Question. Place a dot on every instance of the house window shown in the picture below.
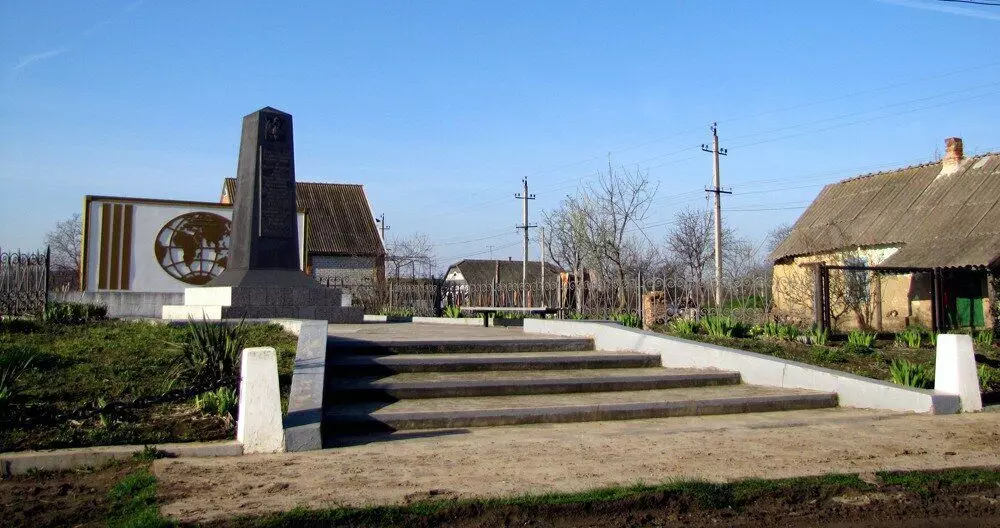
(856, 282)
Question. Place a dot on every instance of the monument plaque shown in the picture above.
(277, 194)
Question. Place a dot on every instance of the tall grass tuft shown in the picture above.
(910, 338)
(819, 336)
(861, 338)
(627, 319)
(716, 326)
(221, 402)
(13, 363)
(210, 356)
(985, 337)
(453, 311)
(73, 313)
(915, 375)
(683, 326)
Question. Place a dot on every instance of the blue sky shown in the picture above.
(440, 108)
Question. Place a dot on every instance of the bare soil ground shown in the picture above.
(506, 461)
(68, 498)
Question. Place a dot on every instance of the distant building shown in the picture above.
(344, 245)
(908, 236)
(498, 283)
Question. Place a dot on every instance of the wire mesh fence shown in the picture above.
(23, 282)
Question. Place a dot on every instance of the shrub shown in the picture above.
(211, 353)
(915, 375)
(722, 327)
(819, 336)
(73, 313)
(452, 311)
(910, 338)
(222, 402)
(396, 312)
(683, 326)
(827, 355)
(985, 337)
(860, 338)
(627, 319)
(13, 363)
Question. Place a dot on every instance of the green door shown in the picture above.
(967, 291)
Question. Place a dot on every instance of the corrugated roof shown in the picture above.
(951, 221)
(484, 271)
(340, 219)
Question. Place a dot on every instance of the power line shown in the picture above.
(974, 2)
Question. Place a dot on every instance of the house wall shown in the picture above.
(894, 300)
(347, 269)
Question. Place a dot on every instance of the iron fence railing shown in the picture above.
(23, 282)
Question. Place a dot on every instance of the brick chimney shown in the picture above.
(953, 156)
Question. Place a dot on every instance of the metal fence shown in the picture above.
(657, 299)
(23, 282)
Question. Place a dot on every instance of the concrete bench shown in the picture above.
(487, 311)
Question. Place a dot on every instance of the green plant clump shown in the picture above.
(401, 313)
(73, 313)
(627, 319)
(453, 311)
(915, 375)
(683, 326)
(13, 363)
(221, 402)
(910, 338)
(819, 336)
(722, 327)
(861, 338)
(987, 377)
(858, 350)
(985, 337)
(210, 357)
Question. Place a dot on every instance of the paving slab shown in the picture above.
(505, 461)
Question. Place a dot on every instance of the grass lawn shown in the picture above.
(874, 364)
(109, 383)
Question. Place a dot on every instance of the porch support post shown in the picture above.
(818, 296)
(936, 300)
(991, 297)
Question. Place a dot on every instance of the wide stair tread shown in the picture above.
(496, 383)
(484, 361)
(553, 408)
(347, 347)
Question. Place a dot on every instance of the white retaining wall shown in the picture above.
(755, 369)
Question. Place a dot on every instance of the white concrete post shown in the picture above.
(955, 370)
(259, 426)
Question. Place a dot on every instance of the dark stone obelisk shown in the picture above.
(264, 248)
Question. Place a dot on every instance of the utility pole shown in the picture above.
(541, 253)
(717, 190)
(381, 221)
(525, 226)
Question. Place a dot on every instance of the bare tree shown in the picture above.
(615, 204)
(412, 253)
(64, 243)
(690, 240)
(776, 236)
(566, 242)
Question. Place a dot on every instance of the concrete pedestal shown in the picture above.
(264, 302)
(955, 370)
(259, 426)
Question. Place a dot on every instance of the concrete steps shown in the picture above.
(519, 382)
(407, 384)
(440, 413)
(347, 347)
(404, 363)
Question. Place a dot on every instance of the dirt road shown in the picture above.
(575, 457)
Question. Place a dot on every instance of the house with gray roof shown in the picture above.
(918, 245)
(343, 241)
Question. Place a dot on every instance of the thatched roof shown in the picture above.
(484, 271)
(947, 221)
(340, 219)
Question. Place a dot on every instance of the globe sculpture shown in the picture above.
(194, 247)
